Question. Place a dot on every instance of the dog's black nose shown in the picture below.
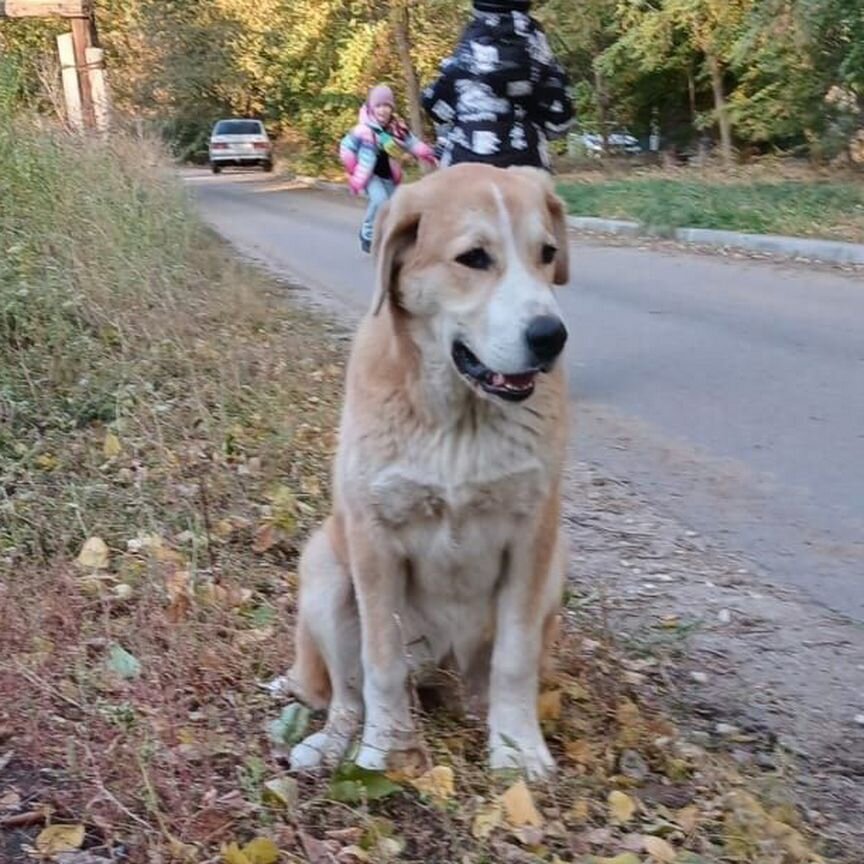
(546, 336)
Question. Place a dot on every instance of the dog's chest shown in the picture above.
(458, 486)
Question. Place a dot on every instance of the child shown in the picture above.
(502, 93)
(372, 151)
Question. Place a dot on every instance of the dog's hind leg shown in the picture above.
(328, 652)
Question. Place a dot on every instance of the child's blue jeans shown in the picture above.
(378, 191)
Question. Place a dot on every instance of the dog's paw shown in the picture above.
(318, 751)
(530, 757)
(411, 761)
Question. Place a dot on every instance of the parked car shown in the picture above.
(240, 142)
(620, 144)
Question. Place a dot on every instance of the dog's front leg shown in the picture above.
(389, 735)
(515, 738)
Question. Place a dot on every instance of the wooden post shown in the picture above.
(69, 72)
(99, 88)
(46, 8)
(82, 37)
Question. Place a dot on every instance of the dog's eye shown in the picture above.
(548, 254)
(476, 259)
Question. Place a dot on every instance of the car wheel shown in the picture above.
(267, 165)
(216, 169)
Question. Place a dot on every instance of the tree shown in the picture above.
(656, 33)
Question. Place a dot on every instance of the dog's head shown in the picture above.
(470, 255)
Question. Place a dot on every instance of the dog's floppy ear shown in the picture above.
(395, 233)
(558, 212)
(559, 225)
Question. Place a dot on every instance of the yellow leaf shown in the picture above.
(233, 854)
(580, 751)
(60, 838)
(94, 554)
(261, 851)
(549, 705)
(623, 858)
(519, 806)
(659, 849)
(311, 486)
(257, 851)
(111, 448)
(437, 783)
(47, 462)
(687, 819)
(265, 539)
(580, 811)
(621, 807)
(488, 818)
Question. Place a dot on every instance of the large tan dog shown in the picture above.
(443, 549)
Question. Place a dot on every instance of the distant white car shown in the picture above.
(240, 142)
(620, 143)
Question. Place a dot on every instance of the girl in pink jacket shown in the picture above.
(372, 152)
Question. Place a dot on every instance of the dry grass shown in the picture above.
(163, 398)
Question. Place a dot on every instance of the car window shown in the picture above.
(238, 127)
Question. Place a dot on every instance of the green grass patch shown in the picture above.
(824, 209)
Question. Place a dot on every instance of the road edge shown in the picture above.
(775, 245)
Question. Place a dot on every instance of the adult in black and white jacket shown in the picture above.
(502, 94)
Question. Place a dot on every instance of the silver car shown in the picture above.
(240, 142)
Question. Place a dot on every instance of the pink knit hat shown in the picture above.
(381, 94)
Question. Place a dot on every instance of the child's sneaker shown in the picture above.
(365, 245)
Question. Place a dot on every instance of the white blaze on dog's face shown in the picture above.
(470, 254)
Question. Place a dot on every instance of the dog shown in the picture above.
(443, 548)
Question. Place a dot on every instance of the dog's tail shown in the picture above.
(309, 679)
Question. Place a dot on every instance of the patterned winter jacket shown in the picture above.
(361, 147)
(502, 93)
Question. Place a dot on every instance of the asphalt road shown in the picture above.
(729, 391)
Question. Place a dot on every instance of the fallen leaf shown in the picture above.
(47, 462)
(180, 594)
(289, 727)
(687, 819)
(437, 783)
(353, 785)
(352, 855)
(60, 838)
(621, 807)
(519, 806)
(94, 554)
(316, 851)
(122, 663)
(261, 850)
(580, 751)
(625, 858)
(281, 792)
(487, 819)
(580, 811)
(311, 486)
(265, 539)
(112, 447)
(10, 800)
(659, 849)
(549, 705)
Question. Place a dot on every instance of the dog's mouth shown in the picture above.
(513, 388)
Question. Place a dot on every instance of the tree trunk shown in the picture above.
(401, 21)
(721, 108)
(602, 106)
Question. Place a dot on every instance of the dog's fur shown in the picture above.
(443, 547)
